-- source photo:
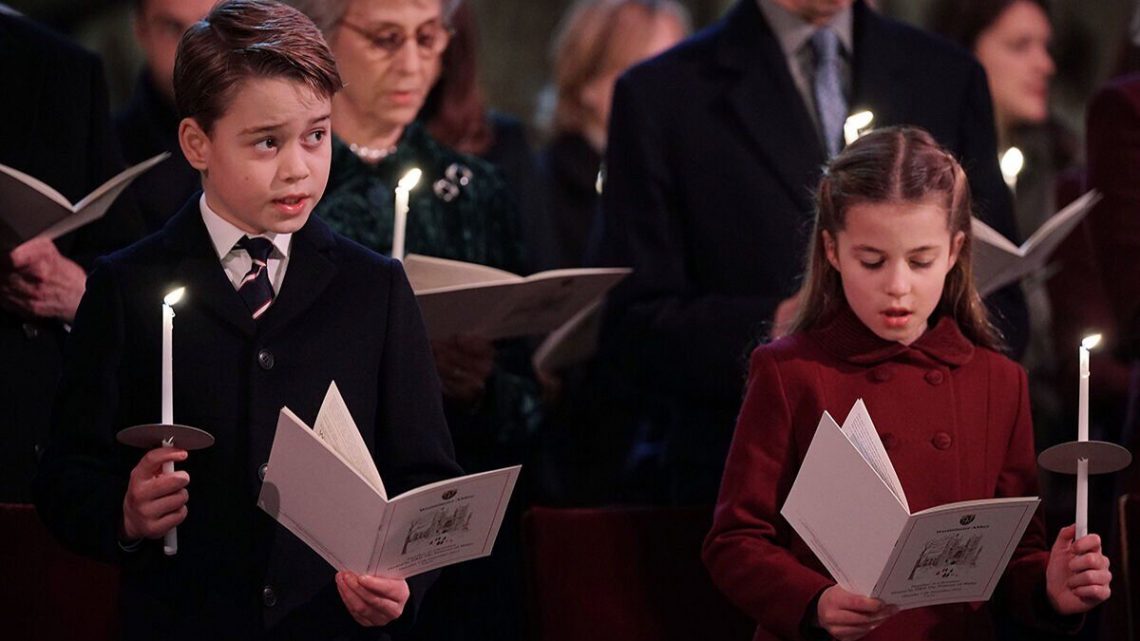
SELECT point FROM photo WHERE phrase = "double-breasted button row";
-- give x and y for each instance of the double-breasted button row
(268, 596)
(265, 359)
(934, 377)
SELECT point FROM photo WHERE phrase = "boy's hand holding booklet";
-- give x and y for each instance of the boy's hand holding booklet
(30, 208)
(848, 506)
(323, 486)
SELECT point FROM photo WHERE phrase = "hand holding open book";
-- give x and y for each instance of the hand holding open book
(848, 506)
(323, 486)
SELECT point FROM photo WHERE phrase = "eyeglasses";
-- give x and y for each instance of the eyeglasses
(431, 38)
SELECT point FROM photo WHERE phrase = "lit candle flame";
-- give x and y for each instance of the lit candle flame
(1090, 342)
(1012, 162)
(174, 296)
(856, 125)
(410, 179)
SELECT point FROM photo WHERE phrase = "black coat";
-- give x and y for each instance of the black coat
(343, 314)
(54, 125)
(711, 164)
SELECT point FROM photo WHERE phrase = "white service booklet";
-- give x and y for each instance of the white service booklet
(848, 506)
(323, 486)
(31, 208)
(998, 262)
(465, 298)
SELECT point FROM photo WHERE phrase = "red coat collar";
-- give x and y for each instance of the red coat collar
(847, 338)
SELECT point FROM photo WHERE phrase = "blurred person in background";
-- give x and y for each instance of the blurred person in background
(148, 124)
(595, 42)
(390, 55)
(1012, 39)
(586, 438)
(457, 115)
(55, 126)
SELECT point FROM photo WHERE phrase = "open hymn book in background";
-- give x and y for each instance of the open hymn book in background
(848, 506)
(465, 298)
(998, 262)
(323, 486)
(31, 208)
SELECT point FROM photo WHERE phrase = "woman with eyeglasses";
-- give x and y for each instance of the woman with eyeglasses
(389, 54)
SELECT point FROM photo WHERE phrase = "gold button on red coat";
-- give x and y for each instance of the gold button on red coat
(941, 440)
(934, 377)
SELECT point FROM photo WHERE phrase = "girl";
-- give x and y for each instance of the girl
(890, 315)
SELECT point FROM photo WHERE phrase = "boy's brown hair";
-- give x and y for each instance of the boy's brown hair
(894, 165)
(242, 39)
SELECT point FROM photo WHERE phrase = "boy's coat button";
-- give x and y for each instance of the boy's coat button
(261, 471)
(268, 597)
(265, 359)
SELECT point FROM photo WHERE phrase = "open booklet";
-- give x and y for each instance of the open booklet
(323, 486)
(998, 262)
(465, 298)
(848, 506)
(31, 208)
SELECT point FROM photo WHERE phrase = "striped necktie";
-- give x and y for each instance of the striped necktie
(254, 288)
(830, 105)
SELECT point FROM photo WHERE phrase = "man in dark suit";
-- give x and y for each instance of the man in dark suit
(277, 307)
(54, 125)
(715, 148)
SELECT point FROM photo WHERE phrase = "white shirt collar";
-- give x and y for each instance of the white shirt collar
(225, 235)
(793, 32)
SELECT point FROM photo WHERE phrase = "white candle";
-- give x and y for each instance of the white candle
(168, 303)
(170, 541)
(167, 364)
(400, 222)
(1083, 434)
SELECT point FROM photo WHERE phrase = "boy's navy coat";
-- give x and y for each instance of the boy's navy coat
(343, 314)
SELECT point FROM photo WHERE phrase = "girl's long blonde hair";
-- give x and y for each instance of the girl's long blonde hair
(893, 165)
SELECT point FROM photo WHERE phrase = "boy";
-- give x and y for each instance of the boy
(277, 306)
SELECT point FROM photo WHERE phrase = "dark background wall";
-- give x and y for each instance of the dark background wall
(515, 40)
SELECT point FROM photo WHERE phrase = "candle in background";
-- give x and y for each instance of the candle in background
(1087, 344)
(401, 221)
(170, 541)
(856, 125)
(1011, 163)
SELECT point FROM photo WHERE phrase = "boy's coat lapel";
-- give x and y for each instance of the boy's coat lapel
(198, 269)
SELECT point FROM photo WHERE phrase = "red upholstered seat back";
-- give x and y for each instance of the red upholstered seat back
(48, 593)
(625, 574)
